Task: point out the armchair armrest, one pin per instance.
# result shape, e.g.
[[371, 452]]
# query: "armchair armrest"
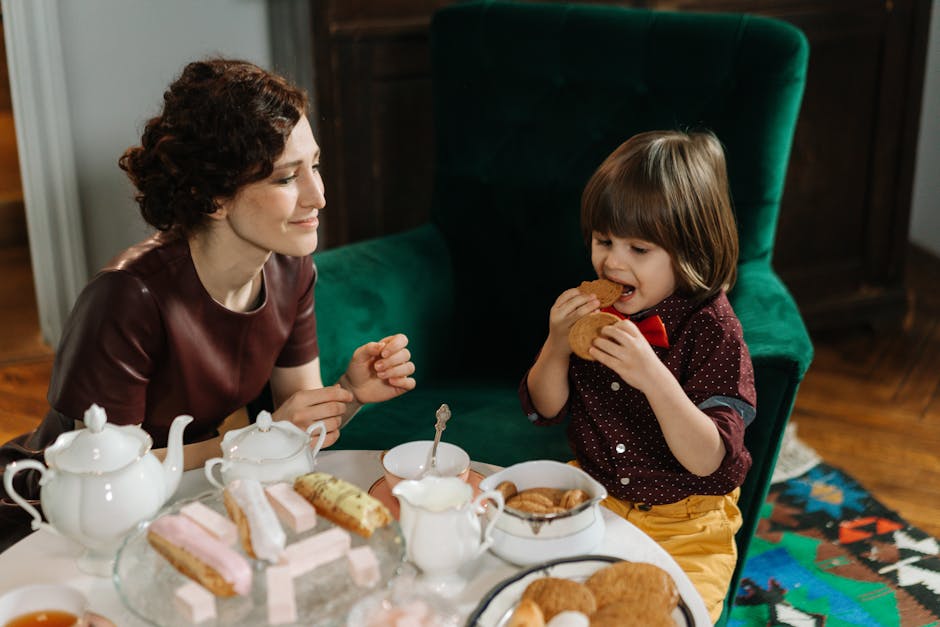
[[773, 328], [371, 289]]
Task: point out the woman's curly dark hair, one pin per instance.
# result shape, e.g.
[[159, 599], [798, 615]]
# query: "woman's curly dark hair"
[[224, 123]]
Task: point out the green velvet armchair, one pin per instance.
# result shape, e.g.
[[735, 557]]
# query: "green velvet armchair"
[[528, 100]]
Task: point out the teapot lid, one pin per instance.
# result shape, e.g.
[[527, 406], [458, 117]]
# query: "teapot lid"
[[100, 447], [266, 439]]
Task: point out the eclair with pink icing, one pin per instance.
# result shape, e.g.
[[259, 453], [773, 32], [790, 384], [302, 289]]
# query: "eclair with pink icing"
[[259, 530], [196, 553]]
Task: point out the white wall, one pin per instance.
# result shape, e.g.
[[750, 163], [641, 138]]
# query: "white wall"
[[119, 56], [925, 203]]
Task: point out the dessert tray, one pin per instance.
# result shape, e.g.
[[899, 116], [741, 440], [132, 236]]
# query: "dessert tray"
[[146, 582], [498, 604]]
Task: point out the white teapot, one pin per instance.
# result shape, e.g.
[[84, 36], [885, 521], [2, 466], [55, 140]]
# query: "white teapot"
[[100, 482], [441, 526], [269, 451]]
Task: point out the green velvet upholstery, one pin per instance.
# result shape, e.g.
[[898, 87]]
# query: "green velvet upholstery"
[[528, 100]]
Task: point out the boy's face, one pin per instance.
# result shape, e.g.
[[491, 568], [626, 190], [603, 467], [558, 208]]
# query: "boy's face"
[[643, 269]]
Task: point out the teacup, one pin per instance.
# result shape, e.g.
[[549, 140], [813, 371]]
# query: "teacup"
[[409, 461], [25, 600]]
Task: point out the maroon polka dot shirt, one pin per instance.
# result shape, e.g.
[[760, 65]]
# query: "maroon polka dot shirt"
[[613, 431]]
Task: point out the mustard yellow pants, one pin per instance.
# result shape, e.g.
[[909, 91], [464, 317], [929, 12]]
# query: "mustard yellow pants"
[[698, 532]]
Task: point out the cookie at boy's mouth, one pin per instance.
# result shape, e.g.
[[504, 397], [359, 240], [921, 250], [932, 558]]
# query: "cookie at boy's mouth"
[[607, 292]]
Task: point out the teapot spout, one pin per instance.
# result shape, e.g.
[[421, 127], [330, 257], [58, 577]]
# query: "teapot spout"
[[173, 463]]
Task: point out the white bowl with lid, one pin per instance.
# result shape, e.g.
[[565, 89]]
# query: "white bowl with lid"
[[527, 538], [268, 451]]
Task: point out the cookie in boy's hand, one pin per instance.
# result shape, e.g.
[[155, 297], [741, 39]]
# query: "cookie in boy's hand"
[[583, 332], [606, 291]]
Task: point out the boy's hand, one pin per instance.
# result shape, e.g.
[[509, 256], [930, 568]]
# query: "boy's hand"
[[569, 307], [623, 348]]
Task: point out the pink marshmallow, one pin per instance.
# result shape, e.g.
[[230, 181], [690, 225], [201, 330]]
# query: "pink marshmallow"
[[363, 566], [194, 602], [292, 508], [282, 604], [326, 546], [212, 521]]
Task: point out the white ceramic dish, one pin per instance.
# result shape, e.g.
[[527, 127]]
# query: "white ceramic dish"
[[526, 539], [146, 582], [409, 460], [268, 450], [495, 609], [36, 598]]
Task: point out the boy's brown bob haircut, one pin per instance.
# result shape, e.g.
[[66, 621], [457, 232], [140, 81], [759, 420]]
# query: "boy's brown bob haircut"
[[669, 188]]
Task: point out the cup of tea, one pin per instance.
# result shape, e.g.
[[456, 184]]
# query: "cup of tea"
[[42, 605], [410, 461]]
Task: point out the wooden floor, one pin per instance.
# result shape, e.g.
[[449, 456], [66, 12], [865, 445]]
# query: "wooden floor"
[[870, 403]]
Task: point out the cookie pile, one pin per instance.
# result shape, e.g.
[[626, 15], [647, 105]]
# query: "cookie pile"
[[582, 333], [541, 500], [620, 595]]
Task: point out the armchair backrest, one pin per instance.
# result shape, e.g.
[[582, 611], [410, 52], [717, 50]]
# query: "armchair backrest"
[[529, 99]]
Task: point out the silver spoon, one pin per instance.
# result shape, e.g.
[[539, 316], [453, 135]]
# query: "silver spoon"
[[443, 415]]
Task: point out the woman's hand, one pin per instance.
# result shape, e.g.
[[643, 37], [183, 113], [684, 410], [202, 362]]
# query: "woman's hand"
[[379, 371], [328, 405], [569, 307], [623, 348]]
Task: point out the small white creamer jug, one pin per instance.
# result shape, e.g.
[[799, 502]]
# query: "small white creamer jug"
[[441, 526]]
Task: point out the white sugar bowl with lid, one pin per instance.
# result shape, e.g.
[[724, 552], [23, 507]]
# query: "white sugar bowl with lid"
[[100, 482], [527, 538], [269, 451]]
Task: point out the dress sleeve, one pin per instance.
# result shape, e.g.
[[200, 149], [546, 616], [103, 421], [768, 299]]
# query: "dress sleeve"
[[112, 340], [302, 346]]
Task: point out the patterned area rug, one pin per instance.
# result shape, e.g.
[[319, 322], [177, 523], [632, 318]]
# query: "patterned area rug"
[[828, 553]]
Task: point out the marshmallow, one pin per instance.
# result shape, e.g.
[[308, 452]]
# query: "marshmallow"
[[282, 604], [305, 555], [292, 508], [363, 566], [194, 602], [212, 521]]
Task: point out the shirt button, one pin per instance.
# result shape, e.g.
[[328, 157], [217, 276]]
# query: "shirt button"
[[621, 448], [614, 386], [624, 480]]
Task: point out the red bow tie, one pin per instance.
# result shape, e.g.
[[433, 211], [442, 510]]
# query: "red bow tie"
[[651, 327]]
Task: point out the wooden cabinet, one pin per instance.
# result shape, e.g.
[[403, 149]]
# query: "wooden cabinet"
[[843, 227]]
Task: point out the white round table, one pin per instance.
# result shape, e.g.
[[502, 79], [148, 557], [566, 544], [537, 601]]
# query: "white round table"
[[44, 557]]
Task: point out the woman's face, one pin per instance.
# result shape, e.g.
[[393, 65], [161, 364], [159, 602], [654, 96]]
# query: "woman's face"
[[643, 269], [279, 213]]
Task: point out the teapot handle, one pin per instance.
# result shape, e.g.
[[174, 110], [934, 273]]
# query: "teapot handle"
[[210, 464], [16, 467], [497, 497], [316, 426]]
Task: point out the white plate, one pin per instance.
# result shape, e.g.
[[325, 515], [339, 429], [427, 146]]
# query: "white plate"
[[146, 581], [497, 606]]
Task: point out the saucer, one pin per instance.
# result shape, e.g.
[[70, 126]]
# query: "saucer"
[[383, 493]]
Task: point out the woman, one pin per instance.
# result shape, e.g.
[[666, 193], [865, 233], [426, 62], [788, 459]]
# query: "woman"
[[220, 302]]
